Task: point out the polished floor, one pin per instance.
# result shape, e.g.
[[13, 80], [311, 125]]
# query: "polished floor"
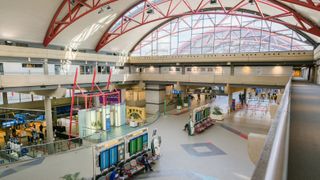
[[304, 144], [216, 154]]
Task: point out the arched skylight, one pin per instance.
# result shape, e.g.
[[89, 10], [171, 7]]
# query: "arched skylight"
[[218, 33]]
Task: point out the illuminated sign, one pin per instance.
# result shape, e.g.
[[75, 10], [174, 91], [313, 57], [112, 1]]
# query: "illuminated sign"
[[176, 91]]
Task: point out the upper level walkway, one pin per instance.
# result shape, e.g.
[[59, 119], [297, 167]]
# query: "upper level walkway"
[[304, 143], [43, 82]]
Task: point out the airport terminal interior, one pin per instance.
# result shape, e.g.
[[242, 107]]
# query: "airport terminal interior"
[[160, 89]]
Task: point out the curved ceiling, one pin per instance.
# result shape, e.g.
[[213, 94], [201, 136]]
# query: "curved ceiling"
[[203, 34], [81, 24]]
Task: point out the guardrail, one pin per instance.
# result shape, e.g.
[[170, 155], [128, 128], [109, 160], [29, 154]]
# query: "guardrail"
[[18, 154], [272, 164], [26, 153]]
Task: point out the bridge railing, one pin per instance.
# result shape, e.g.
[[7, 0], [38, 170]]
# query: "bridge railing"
[[272, 164]]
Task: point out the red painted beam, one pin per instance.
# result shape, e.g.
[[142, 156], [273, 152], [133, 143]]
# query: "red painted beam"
[[72, 103], [125, 27], [62, 19], [308, 4]]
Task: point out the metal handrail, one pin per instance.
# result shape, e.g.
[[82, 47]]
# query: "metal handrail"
[[44, 149], [272, 164]]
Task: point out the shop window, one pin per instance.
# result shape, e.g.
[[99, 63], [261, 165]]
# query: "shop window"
[[29, 65]]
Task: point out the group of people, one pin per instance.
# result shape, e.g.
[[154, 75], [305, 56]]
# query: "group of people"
[[272, 96], [35, 135], [118, 173]]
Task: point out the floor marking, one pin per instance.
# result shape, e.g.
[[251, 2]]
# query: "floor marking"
[[235, 131]]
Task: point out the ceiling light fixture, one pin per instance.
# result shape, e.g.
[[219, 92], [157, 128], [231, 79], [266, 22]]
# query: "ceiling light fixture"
[[105, 8], [150, 10], [213, 2], [9, 43]]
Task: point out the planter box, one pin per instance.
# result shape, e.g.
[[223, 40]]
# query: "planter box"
[[217, 117], [179, 107]]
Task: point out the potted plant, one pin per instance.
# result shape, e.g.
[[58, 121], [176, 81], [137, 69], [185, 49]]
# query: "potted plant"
[[179, 103], [186, 101], [216, 114]]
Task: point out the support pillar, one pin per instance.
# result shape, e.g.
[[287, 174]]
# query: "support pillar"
[[5, 102], [245, 95], [155, 95], [123, 95], [96, 101], [232, 70], [230, 99], [317, 74], [45, 67], [183, 70], [49, 128], [5, 98], [54, 116], [228, 90]]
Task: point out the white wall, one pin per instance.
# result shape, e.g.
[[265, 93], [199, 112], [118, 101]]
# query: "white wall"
[[318, 74], [151, 70], [68, 69], [171, 70], [263, 71], [216, 70], [125, 70]]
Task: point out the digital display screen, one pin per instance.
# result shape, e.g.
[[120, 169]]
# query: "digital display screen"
[[137, 144]]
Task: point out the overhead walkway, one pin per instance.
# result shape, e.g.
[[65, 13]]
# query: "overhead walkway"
[[304, 143], [23, 82]]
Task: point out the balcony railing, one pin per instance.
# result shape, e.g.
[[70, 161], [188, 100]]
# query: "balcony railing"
[[272, 164]]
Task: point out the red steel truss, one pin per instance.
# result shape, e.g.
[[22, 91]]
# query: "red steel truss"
[[305, 3], [89, 95], [69, 12], [167, 9]]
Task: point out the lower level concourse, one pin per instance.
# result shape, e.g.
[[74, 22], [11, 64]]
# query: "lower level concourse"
[[217, 153], [160, 89]]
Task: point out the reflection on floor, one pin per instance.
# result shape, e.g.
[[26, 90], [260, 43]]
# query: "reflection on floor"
[[248, 122], [253, 118], [216, 154]]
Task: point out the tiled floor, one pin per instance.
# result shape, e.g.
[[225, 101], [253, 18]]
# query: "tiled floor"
[[216, 154], [246, 120]]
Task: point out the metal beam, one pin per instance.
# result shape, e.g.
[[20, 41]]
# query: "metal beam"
[[69, 12], [129, 24]]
